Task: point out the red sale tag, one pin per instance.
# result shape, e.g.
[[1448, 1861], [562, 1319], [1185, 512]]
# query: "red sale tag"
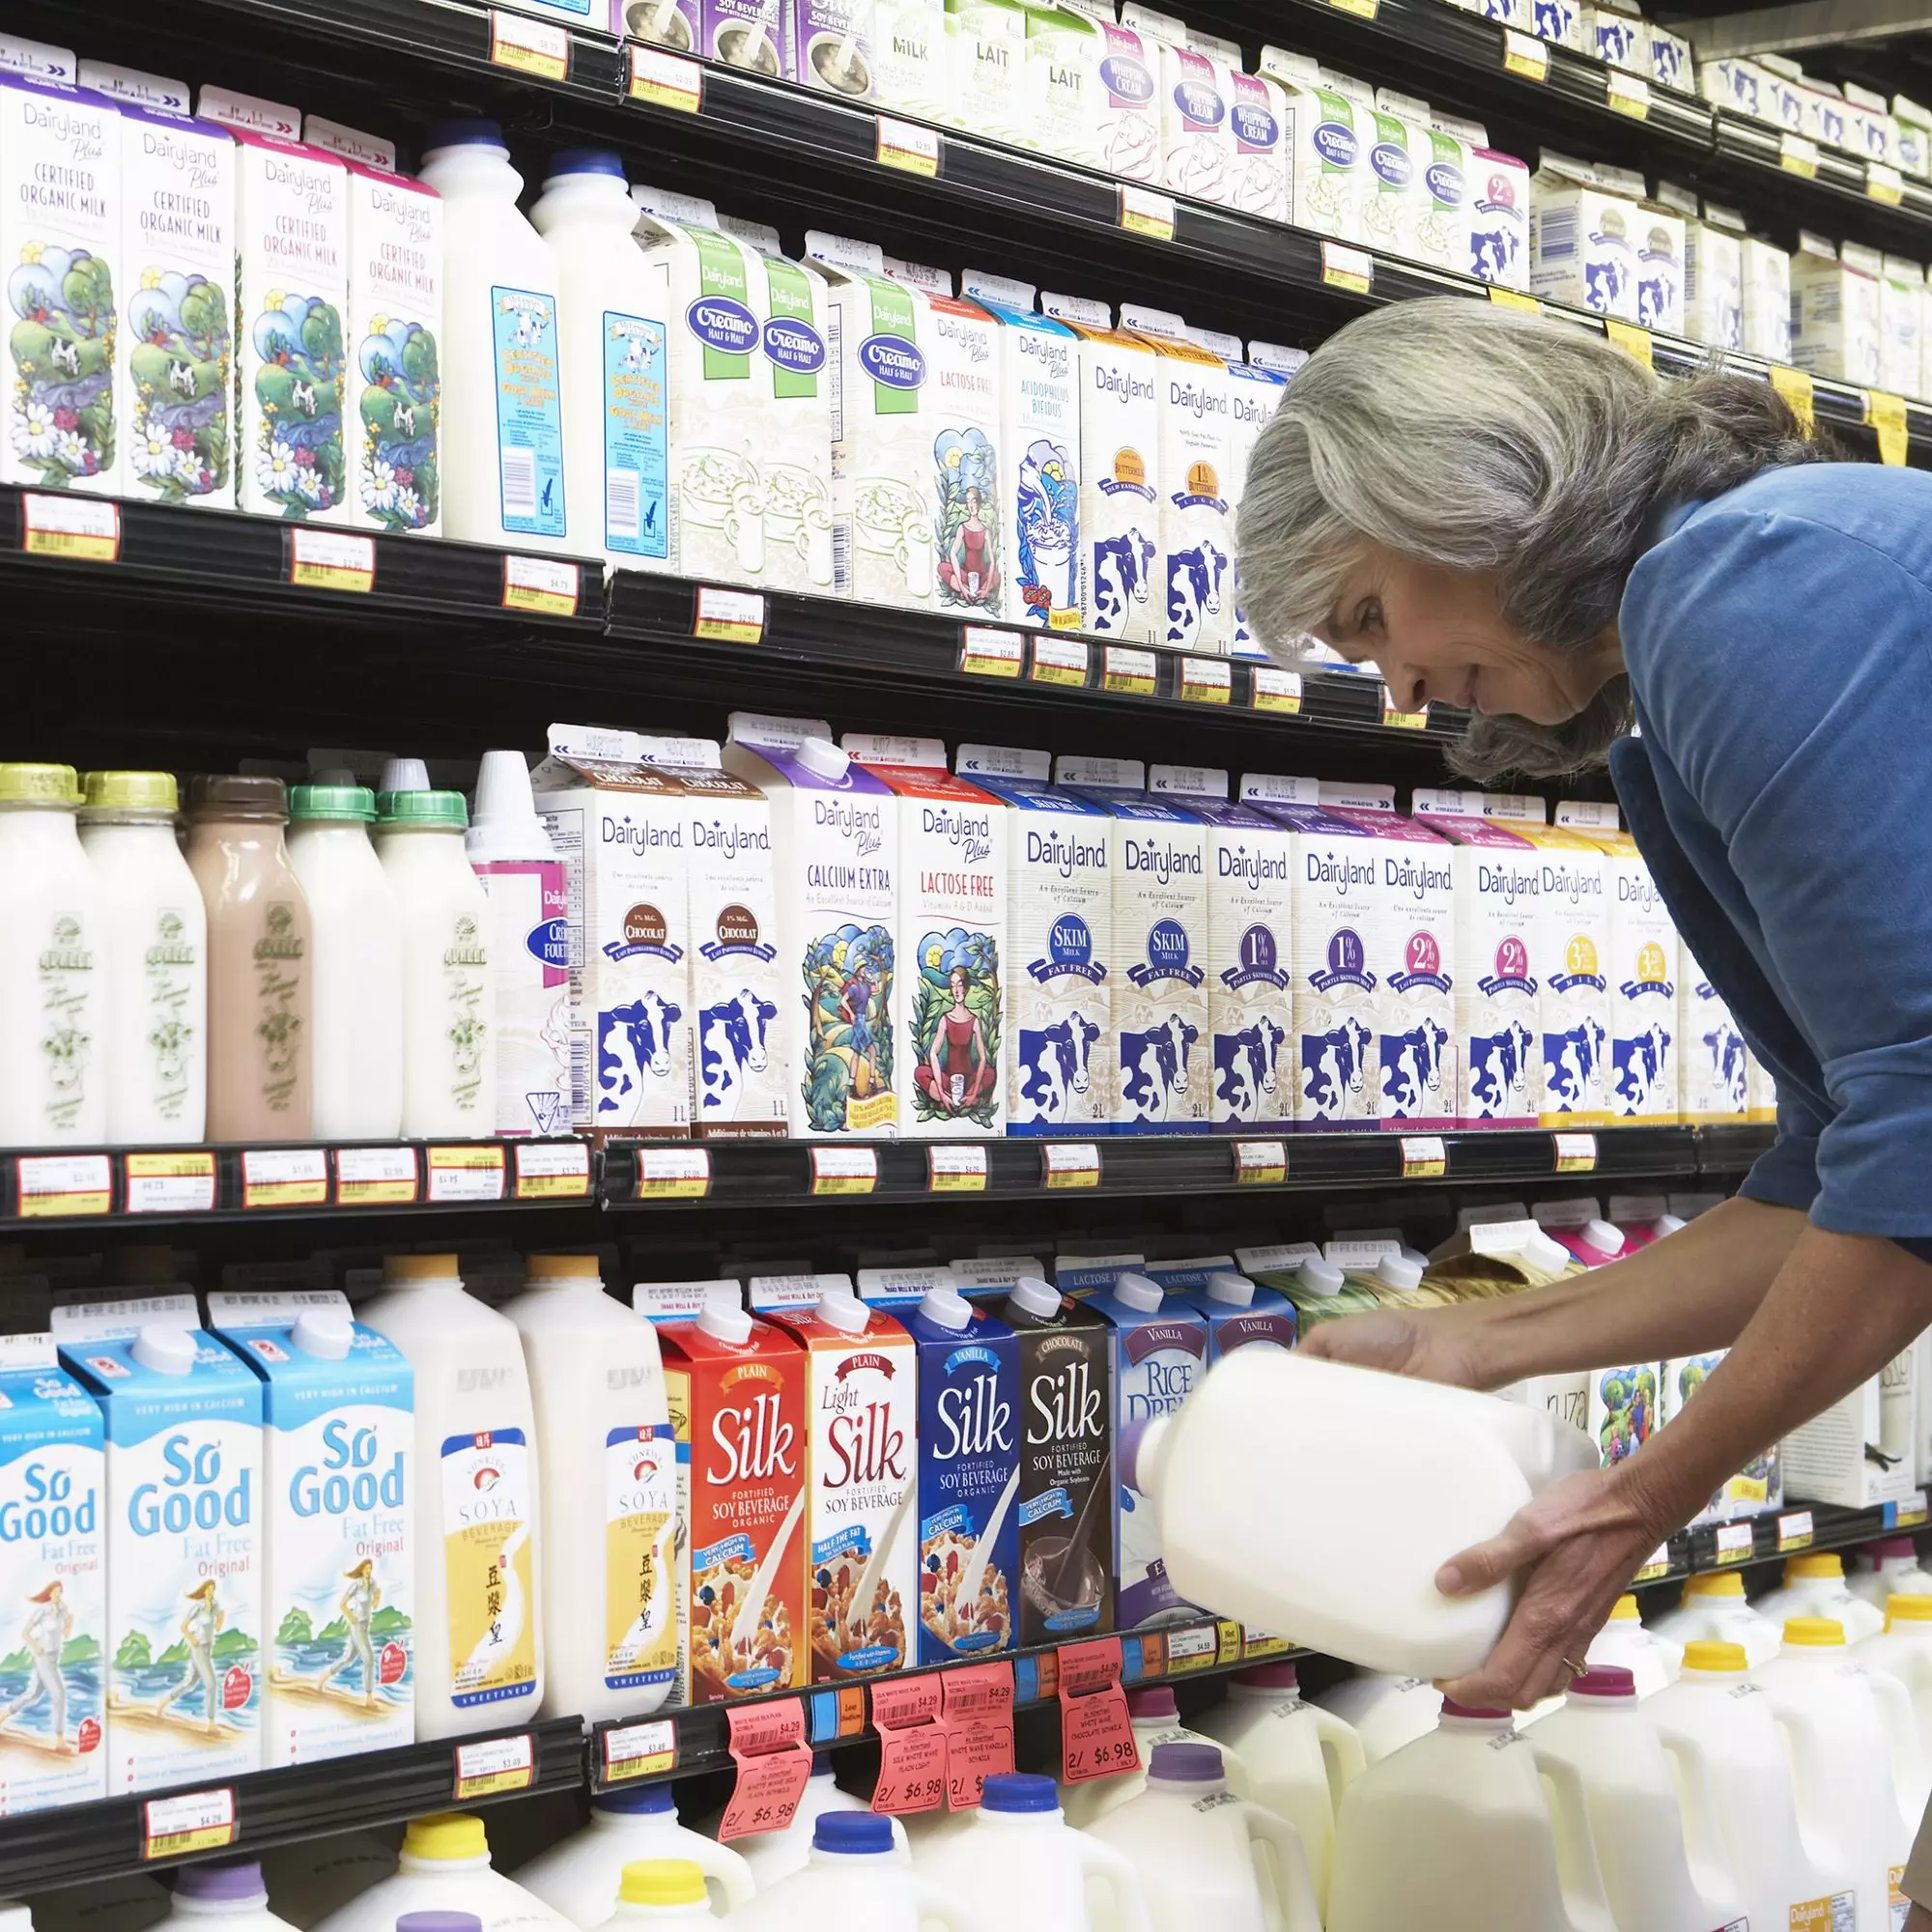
[[912, 1746], [980, 1729], [774, 1760], [1097, 1736]]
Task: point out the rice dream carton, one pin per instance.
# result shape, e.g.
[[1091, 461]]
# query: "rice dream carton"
[[1325, 148], [1713, 1084], [340, 1493]]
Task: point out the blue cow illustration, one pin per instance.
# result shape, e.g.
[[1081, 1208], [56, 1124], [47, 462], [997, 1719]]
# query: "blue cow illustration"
[[731, 1044], [1573, 1067], [1333, 1065], [1153, 1068], [1244, 1068], [1641, 1066], [1193, 589], [1412, 1066], [1053, 1065], [1499, 1069], [632, 1040], [1726, 1048], [1603, 285], [1121, 567]]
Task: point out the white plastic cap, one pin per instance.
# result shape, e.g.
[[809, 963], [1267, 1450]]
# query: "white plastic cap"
[[823, 759], [843, 1311], [403, 774], [1669, 1224], [167, 1351], [1320, 1277], [1138, 1292], [724, 1320], [1033, 1296], [324, 1333], [1416, 1257], [1232, 1291], [1605, 1237], [946, 1308], [1539, 1251], [1392, 1272], [506, 813]]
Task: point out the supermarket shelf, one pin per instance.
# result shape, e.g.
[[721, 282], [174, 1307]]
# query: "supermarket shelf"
[[1797, 1526]]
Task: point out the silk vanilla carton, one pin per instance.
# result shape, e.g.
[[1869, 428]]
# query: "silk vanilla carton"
[[1326, 140], [1584, 239], [1713, 1083], [338, 1496], [1197, 146], [182, 1663]]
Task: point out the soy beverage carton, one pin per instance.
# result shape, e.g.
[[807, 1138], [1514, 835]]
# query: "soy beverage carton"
[[748, 34], [829, 46], [1325, 144], [1193, 87], [1712, 1080], [1756, 1488], [339, 1495], [1835, 318], [182, 1663], [1582, 238]]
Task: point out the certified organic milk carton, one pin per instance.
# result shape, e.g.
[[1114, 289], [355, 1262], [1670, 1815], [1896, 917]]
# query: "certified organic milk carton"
[[340, 1494], [1258, 122], [53, 1521], [1767, 299], [182, 1663], [829, 46], [1713, 1084], [1120, 381], [1325, 139], [835, 858], [1062, 83], [1060, 1004], [952, 938], [987, 39], [1584, 239], [1836, 327], [912, 68], [1497, 198], [1128, 130]]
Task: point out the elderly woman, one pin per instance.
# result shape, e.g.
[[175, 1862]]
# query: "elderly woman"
[[1507, 514]]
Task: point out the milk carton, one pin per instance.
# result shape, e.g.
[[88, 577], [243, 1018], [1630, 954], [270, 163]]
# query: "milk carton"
[[1249, 956], [1060, 967], [1395, 194], [1713, 1089], [1064, 47], [1622, 1412], [912, 70], [1901, 303], [1560, 21], [1714, 277], [183, 1431], [339, 1497], [1672, 60], [1835, 311], [1738, 86], [829, 46], [1619, 38], [951, 937], [1915, 137], [1829, 1460], [1767, 299], [1582, 240], [1255, 389], [749, 34], [1128, 127], [1325, 139], [1660, 264], [1197, 147], [53, 1519], [1497, 198], [967, 461], [1241, 1315], [62, 234], [1121, 382], [987, 39], [1258, 125], [834, 842]]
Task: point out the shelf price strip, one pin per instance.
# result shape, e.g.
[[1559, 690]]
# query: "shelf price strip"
[[661, 79], [1906, 1514], [911, 1745], [1206, 680], [836, 1170], [545, 586], [494, 1766], [729, 617], [466, 1174], [1128, 673], [1886, 414], [530, 46], [1797, 154], [1628, 94], [909, 147], [1401, 719], [1362, 10], [334, 559], [284, 1178], [1069, 1164], [83, 529], [1424, 1157], [1575, 1153], [1634, 341], [674, 1174], [1884, 183], [1735, 1541], [1260, 1163], [956, 1168], [1502, 298], [768, 1745], [1096, 1736], [639, 1750], [1345, 268], [57, 1184], [553, 1171], [178, 1182], [1143, 211], [987, 652], [197, 1821], [1657, 1565], [1794, 1531], [1192, 1650], [377, 1177], [1059, 661], [1524, 54], [978, 1720]]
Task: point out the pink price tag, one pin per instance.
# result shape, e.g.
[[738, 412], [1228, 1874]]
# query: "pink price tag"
[[1097, 1736], [912, 1746], [980, 1729], [769, 1746]]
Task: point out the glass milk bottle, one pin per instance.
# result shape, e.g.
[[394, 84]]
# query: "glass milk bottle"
[[449, 1020], [152, 958], [260, 961], [53, 1017], [358, 963]]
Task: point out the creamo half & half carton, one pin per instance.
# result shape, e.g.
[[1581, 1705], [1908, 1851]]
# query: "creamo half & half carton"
[[1713, 1084], [182, 1663], [952, 938], [1060, 938], [341, 1494], [836, 851], [1325, 139]]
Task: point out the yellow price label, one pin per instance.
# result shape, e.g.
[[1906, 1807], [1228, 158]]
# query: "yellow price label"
[[1515, 299], [1795, 386], [1887, 415], [1634, 341]]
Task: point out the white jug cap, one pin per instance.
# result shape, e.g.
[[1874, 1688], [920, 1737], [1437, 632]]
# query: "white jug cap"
[[403, 774], [1417, 1258], [167, 1351], [1232, 1291], [1320, 1277], [946, 1308], [823, 759], [1392, 1272], [1138, 1292], [724, 1321], [1539, 1251], [1669, 1224], [324, 1333], [1604, 1237], [843, 1311], [1033, 1296], [506, 821]]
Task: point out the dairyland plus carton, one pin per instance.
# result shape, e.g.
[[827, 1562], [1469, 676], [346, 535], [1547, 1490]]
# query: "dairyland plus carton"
[[1059, 945], [1255, 391], [182, 1665], [1713, 1085], [339, 1496]]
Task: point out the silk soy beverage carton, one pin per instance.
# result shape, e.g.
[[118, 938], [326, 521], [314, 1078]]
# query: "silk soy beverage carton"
[[829, 46], [183, 1661], [340, 1496]]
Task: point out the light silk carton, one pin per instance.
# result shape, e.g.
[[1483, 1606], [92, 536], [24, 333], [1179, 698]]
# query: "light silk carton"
[[1767, 299], [1061, 969], [1714, 276], [1901, 301], [1256, 387], [1197, 146], [1326, 141], [836, 862], [912, 70], [1830, 1459], [1128, 130], [1258, 122], [1759, 1486], [952, 939], [53, 1527], [1582, 240], [987, 40], [1836, 327], [183, 1661], [1497, 198], [339, 1500], [829, 46], [1713, 1083], [1061, 79]]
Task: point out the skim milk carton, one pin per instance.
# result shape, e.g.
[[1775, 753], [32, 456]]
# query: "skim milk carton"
[[1713, 1083], [1250, 1006], [952, 939], [1060, 938], [1120, 381], [835, 853], [53, 1524], [1158, 859], [340, 1496], [182, 1663]]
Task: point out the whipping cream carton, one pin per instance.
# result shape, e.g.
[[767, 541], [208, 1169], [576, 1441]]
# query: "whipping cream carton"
[[1713, 1085], [1497, 200], [339, 1493], [1582, 238], [1767, 299], [183, 1666], [1713, 276], [829, 46], [987, 39], [1060, 965], [912, 70], [1255, 389], [1258, 122], [836, 860], [1901, 303], [951, 937], [1836, 327], [1325, 138], [1064, 47], [1197, 147]]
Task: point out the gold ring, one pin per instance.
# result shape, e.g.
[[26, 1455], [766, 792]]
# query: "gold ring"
[[1573, 1669]]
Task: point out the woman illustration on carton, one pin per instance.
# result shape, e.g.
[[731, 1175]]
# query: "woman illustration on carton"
[[957, 1073], [358, 1604], [1506, 514], [967, 568], [199, 1628], [48, 1625]]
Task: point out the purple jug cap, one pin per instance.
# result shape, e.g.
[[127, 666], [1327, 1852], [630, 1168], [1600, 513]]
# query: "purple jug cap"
[[1156, 1701], [1887, 1546], [1452, 1709], [439, 1922], [1269, 1677], [228, 1879], [1186, 1764], [1604, 1680]]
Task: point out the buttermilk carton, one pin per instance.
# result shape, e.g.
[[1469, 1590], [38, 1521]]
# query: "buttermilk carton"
[[53, 1525], [1712, 1079], [951, 937], [835, 853], [183, 1668], [339, 1498], [1059, 945]]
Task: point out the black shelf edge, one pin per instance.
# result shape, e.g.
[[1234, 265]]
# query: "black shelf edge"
[[1773, 1536]]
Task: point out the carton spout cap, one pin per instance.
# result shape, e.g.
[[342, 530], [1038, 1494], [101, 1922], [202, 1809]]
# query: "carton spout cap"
[[823, 759], [166, 1352], [326, 1333]]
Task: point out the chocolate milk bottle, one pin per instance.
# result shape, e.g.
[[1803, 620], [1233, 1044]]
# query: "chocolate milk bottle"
[[259, 950]]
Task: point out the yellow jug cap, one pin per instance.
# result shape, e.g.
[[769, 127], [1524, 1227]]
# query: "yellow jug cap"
[[1626, 1612], [1906, 1609], [1815, 1633], [1706, 1655], [129, 791], [662, 1882], [1714, 1583], [419, 1267], [39, 785], [564, 1267], [448, 1835], [1809, 1569]]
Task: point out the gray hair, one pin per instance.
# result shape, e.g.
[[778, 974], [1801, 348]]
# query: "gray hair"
[[1485, 438]]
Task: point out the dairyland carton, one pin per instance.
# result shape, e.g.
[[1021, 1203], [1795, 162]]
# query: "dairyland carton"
[[951, 937], [834, 845], [1255, 391], [340, 1563], [966, 463], [1714, 277], [1582, 238], [1497, 200], [1713, 1084], [182, 1665], [1059, 948]]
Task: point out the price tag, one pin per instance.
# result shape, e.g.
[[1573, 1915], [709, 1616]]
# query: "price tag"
[[1271, 690], [674, 1174], [1363, 10], [1206, 680], [1907, 1512], [1059, 661], [661, 79], [1134, 672], [1884, 183], [1575, 1153], [1795, 386], [1634, 341], [530, 46], [639, 1750], [377, 1177], [1657, 1565], [55, 1185], [1735, 1541], [197, 1821], [1630, 94], [1096, 1736], [1345, 268], [911, 1745], [909, 147], [553, 1171], [1143, 211], [984, 652], [545, 585], [844, 1170], [1794, 1531], [1402, 720], [1797, 154], [1887, 415], [1191, 1650], [1227, 1640], [333, 559], [81, 528], [729, 617], [1260, 1163], [1259, 1643], [1502, 298], [1424, 1157], [180, 1182], [1070, 1163], [1524, 54], [466, 1174], [956, 1168], [768, 1745], [284, 1178], [496, 1765], [978, 1720]]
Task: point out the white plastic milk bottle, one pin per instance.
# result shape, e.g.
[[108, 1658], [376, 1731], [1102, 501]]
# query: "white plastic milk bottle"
[[1651, 1658], [1713, 1610], [152, 960], [1384, 1711], [1903, 1650], [662, 1894], [776, 1855], [227, 1895], [308, 1880], [583, 1878], [1155, 1718], [445, 1867], [1814, 1587], [1885, 1569], [856, 1879]]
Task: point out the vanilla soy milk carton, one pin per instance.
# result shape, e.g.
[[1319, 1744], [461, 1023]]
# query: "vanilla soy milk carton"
[[1582, 238], [339, 1498], [182, 1663], [1713, 1082]]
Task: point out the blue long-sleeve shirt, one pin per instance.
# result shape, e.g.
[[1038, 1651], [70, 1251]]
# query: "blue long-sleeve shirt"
[[1778, 640]]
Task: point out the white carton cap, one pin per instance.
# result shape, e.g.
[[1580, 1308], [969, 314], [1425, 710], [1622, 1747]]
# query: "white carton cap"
[[1034, 1297], [324, 1332], [1138, 1292], [1232, 1291], [403, 774], [843, 1311], [1669, 1224], [823, 759], [1320, 1277], [946, 1308], [167, 1351], [1539, 1251], [722, 1318], [1393, 1271], [1603, 1237]]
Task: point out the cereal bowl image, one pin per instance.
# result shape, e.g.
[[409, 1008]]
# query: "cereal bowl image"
[[845, 1644], [985, 1623], [744, 1669]]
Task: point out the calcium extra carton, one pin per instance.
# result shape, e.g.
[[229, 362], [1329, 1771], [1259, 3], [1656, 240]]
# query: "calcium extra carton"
[[1712, 1081], [340, 1492], [184, 1545], [53, 1582]]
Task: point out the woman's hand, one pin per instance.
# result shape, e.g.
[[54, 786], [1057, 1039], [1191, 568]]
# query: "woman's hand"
[[1918, 1919], [1435, 1345]]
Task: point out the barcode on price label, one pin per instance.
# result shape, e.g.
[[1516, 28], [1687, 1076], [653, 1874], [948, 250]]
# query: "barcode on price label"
[[466, 1174], [674, 1174], [956, 1169], [987, 652], [376, 1177], [639, 1750], [840, 1169], [56, 1184], [1271, 690], [1735, 1541], [729, 617], [1794, 1531], [553, 1171], [1070, 1163], [284, 1178], [179, 1182], [496, 1764], [1191, 1649], [197, 1821], [1424, 1157]]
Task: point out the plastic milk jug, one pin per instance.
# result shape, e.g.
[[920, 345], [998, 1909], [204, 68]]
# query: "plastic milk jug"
[[445, 1868], [1889, 1568], [776, 1855], [478, 1634], [227, 1895], [663, 1894], [1157, 1720], [308, 1880], [1713, 1610], [1814, 1587], [1651, 1659], [856, 1878], [129, 1904], [1903, 1650], [582, 1878]]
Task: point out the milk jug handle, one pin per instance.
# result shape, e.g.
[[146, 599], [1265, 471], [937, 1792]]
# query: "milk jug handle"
[[1901, 1725], [728, 1868], [1703, 1837], [935, 1907], [1806, 1743], [1101, 1861], [1338, 1736], [1295, 1885], [1585, 1901]]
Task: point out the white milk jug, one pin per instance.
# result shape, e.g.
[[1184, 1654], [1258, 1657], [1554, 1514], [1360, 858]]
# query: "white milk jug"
[[1019, 1864], [1903, 1650], [129, 1904], [1474, 1826], [225, 1896], [1651, 1658], [583, 1877], [1665, 1868], [1157, 1720], [1454, 1467], [1712, 1610], [855, 1880], [661, 1894], [1192, 1842], [1299, 1758], [310, 1878], [445, 1866], [1716, 1707], [1384, 1711], [1885, 1569], [1814, 1587], [771, 1856]]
